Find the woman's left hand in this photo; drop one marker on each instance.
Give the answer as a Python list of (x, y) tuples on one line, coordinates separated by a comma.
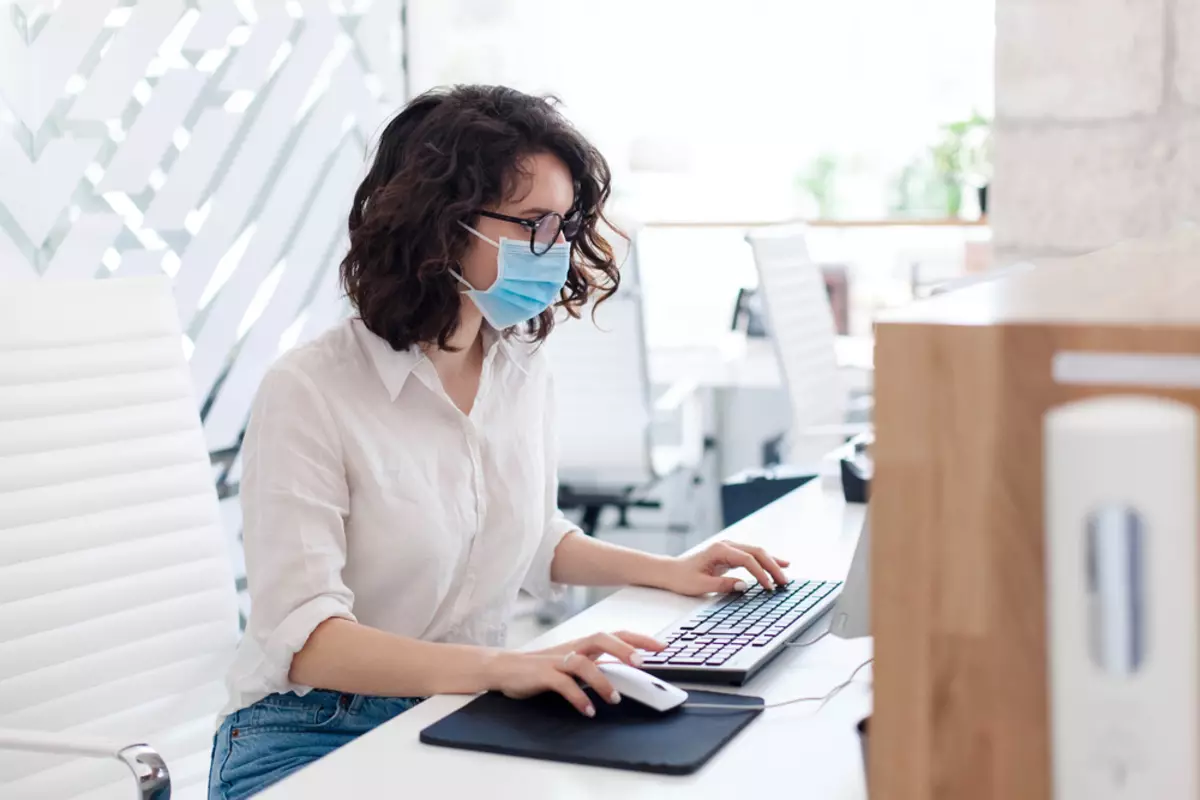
[(704, 572)]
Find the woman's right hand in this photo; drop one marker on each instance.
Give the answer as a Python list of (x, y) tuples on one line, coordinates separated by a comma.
[(521, 675)]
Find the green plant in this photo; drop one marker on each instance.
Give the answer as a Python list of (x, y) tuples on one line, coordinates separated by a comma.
[(917, 191), (818, 181), (962, 154)]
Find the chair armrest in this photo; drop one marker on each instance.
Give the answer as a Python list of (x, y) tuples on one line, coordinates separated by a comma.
[(148, 768), (682, 403), (675, 396)]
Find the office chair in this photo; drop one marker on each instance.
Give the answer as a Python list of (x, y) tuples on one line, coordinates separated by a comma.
[(117, 608), (612, 435), (805, 338)]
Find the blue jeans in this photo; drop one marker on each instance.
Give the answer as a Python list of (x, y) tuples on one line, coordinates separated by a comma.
[(269, 740)]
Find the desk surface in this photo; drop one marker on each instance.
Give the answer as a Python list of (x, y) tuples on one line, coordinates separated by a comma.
[(815, 753)]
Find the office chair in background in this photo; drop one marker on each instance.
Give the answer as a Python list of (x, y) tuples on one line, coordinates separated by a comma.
[(118, 614), (824, 413), (619, 447)]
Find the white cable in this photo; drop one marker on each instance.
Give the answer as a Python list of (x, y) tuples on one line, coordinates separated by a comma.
[(825, 698), (824, 633)]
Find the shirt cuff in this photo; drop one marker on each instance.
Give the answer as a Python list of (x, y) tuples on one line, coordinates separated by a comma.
[(537, 580), (291, 635)]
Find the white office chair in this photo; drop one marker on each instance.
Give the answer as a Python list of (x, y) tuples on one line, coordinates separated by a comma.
[(607, 448), (805, 338), (117, 607)]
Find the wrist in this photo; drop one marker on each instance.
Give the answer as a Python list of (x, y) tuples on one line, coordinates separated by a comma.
[(656, 572), (491, 667)]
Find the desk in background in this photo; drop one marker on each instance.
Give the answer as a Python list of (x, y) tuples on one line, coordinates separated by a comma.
[(790, 749), (737, 361), (747, 402)]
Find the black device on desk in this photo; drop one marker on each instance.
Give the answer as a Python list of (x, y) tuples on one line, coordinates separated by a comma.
[(751, 489), (749, 315)]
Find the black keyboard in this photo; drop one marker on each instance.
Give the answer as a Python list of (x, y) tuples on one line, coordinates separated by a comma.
[(738, 622)]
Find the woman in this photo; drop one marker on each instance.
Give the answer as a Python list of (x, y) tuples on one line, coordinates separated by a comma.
[(399, 485)]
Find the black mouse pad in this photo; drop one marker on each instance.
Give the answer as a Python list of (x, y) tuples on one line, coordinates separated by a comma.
[(625, 736)]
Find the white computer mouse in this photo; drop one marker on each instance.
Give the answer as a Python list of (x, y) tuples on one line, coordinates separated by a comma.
[(642, 687)]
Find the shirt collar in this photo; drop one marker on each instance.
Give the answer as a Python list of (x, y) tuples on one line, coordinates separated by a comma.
[(394, 366), (514, 355)]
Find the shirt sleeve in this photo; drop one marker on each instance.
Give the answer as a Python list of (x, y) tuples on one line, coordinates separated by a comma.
[(556, 526), (295, 500)]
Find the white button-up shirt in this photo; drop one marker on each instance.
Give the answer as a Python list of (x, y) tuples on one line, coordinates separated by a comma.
[(368, 495)]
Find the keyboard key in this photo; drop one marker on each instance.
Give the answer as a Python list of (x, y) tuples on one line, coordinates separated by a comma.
[(754, 618)]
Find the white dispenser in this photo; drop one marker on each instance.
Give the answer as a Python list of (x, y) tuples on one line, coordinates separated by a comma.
[(1121, 563)]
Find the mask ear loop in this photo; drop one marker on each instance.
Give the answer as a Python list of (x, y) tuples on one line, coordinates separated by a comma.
[(457, 273), (469, 229)]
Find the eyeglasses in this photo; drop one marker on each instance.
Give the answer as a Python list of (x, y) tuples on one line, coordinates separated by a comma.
[(543, 231)]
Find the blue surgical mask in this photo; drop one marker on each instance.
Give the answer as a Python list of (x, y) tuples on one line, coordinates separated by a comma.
[(525, 284)]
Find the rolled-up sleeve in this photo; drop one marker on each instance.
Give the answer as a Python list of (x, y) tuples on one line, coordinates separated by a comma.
[(295, 501), (537, 581)]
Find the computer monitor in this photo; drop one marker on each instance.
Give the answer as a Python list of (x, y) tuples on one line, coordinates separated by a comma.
[(852, 612)]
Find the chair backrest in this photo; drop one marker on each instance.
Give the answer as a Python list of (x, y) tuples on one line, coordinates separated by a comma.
[(602, 391), (804, 334), (118, 613)]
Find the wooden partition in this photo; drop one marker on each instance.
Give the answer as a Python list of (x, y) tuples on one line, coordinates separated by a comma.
[(962, 382)]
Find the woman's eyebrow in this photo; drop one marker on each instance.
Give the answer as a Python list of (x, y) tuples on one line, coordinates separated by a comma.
[(536, 210)]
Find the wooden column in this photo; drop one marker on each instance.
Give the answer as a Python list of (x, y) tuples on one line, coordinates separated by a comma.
[(962, 382)]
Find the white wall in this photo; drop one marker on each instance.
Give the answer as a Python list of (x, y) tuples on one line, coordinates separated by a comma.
[(1098, 122), (743, 92)]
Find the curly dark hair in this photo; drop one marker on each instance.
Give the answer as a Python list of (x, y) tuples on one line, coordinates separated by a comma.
[(449, 153)]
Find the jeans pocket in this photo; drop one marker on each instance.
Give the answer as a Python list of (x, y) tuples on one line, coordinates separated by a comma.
[(269, 743), (316, 710)]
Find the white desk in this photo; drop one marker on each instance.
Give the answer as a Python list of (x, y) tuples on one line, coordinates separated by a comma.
[(791, 750)]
